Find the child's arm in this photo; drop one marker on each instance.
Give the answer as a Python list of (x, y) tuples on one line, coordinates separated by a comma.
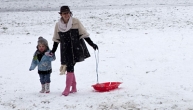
[(53, 57), (34, 62)]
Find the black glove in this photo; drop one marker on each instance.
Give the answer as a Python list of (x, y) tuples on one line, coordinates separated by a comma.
[(51, 53), (55, 46), (95, 46), (89, 41)]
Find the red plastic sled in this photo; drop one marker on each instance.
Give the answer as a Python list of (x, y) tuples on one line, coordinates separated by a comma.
[(107, 86)]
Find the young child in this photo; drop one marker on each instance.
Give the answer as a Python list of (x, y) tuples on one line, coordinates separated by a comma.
[(43, 59)]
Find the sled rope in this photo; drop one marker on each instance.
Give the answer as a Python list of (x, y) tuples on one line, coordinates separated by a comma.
[(97, 63)]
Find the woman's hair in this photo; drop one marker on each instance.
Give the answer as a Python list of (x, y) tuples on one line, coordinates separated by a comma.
[(69, 12)]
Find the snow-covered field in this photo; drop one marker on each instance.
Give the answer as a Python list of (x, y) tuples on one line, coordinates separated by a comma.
[(147, 45)]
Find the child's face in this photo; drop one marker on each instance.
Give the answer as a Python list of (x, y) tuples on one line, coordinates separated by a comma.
[(41, 47)]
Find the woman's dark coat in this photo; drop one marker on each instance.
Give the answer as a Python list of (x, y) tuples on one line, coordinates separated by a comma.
[(72, 46)]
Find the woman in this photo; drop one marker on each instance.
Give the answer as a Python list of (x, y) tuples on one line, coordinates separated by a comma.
[(70, 33)]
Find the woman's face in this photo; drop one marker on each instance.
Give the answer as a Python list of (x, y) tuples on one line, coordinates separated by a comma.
[(65, 16)]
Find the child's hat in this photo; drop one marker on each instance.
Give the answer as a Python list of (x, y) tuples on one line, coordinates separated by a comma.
[(42, 41)]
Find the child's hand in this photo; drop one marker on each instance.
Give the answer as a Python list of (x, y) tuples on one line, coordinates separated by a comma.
[(48, 54)]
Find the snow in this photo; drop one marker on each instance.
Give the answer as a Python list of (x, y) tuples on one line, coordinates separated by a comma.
[(147, 45)]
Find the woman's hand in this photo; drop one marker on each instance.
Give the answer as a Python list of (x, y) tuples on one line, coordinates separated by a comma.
[(95, 46)]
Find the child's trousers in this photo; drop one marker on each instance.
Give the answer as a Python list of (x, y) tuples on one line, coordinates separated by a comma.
[(44, 78)]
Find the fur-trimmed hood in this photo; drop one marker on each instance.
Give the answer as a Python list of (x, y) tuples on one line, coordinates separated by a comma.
[(76, 24)]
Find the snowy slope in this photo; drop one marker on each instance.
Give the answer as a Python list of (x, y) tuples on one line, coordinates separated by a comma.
[(147, 45)]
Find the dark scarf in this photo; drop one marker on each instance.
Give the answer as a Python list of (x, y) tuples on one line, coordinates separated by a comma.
[(40, 55)]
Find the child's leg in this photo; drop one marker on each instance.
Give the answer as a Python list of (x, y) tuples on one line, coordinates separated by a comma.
[(47, 81), (42, 83)]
